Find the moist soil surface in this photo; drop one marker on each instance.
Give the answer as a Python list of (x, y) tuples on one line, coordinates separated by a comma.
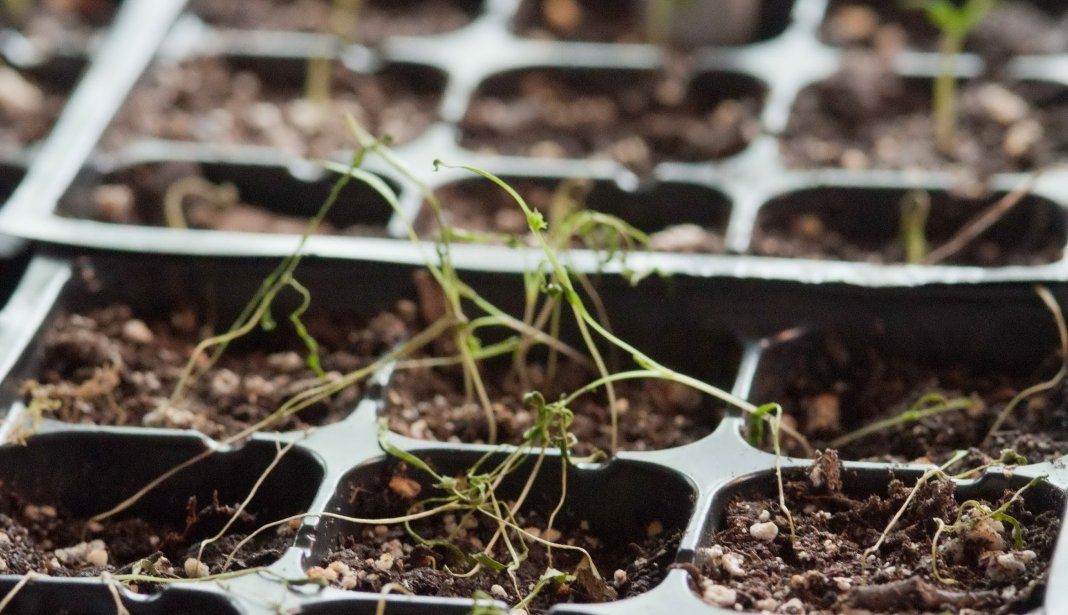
[(46, 540), (636, 119), (107, 367), (377, 555), (822, 572), (1014, 27), (376, 20), (431, 404), (150, 195), (28, 107), (482, 208), (210, 100), (833, 229), (866, 116), (843, 389)]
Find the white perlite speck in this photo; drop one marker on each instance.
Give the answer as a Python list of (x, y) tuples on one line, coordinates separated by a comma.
[(764, 532), (718, 595)]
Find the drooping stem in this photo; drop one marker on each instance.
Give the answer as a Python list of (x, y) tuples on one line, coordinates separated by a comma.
[(1062, 331)]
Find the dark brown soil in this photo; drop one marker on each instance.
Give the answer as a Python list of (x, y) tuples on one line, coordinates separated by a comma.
[(376, 21), (841, 388), (866, 116), (1014, 27), (613, 21), (480, 207), (28, 107), (637, 119), (107, 367), (857, 224), (42, 539), (373, 556), (218, 101), (140, 195), (822, 572), (431, 404)]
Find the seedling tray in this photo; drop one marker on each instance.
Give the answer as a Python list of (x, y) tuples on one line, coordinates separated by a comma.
[(743, 311), (758, 187)]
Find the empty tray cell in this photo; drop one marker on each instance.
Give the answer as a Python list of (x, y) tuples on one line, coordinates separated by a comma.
[(432, 402), (634, 117), (31, 100), (632, 537), (115, 350), (1013, 27), (867, 116), (864, 224), (722, 22), (265, 101), (57, 596), (749, 564), (46, 511), (677, 217), (224, 196), (361, 21), (850, 389)]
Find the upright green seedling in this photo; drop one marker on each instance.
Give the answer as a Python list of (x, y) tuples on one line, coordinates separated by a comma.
[(955, 21), (344, 19)]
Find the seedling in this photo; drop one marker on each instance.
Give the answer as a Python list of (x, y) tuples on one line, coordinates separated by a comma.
[(318, 78), (973, 512), (553, 284), (220, 197), (955, 21), (915, 209)]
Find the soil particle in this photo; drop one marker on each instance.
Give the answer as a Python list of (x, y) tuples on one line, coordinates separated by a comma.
[(635, 119), (431, 404), (867, 116), (584, 20), (376, 555), (376, 20), (97, 372), (870, 385), (47, 540), (821, 573), (207, 99)]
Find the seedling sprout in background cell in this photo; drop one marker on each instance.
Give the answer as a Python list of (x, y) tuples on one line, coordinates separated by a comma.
[(955, 22)]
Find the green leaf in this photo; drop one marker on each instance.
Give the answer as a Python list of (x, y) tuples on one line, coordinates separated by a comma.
[(755, 423), (536, 221), (488, 562)]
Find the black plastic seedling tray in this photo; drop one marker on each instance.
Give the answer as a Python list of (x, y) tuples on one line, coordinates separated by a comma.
[(740, 314)]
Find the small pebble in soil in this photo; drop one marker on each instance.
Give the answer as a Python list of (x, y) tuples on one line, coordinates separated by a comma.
[(764, 532), (195, 569)]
